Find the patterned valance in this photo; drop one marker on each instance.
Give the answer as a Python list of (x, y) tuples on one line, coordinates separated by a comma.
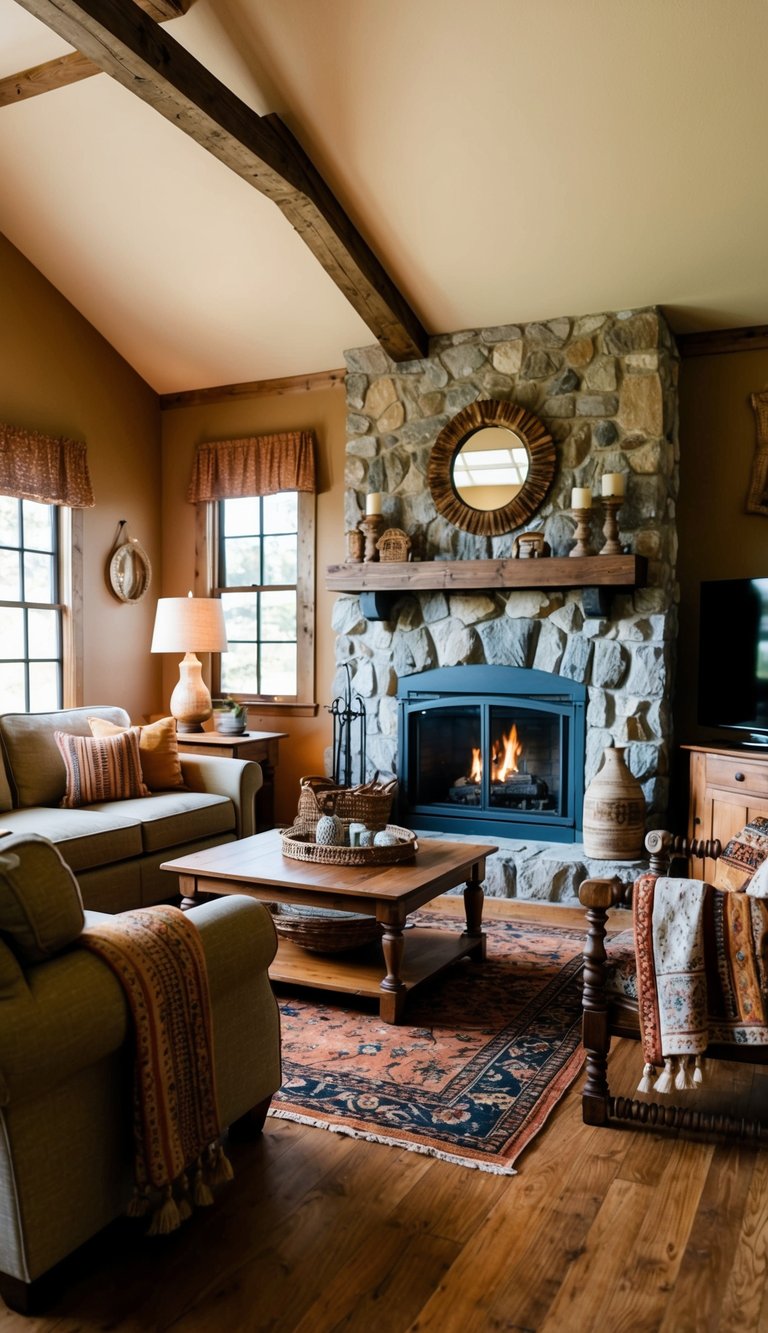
[(39, 467), (260, 465)]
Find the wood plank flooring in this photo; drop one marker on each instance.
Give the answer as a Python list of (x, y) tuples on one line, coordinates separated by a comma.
[(601, 1229)]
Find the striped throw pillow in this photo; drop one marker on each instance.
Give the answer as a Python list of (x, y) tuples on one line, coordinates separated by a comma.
[(107, 769)]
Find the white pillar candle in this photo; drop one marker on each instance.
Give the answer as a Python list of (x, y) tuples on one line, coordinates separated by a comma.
[(373, 503), (581, 497), (613, 483)]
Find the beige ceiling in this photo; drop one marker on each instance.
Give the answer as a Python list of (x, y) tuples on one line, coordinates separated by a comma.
[(508, 160)]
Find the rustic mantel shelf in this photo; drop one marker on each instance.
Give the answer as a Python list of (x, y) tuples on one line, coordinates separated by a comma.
[(600, 574)]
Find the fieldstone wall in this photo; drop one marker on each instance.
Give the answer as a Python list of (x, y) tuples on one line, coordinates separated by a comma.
[(606, 387)]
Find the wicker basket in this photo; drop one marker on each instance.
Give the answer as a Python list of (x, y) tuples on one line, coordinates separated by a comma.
[(321, 930), (299, 844), (369, 804)]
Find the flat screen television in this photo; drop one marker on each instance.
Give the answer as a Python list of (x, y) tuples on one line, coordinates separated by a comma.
[(733, 656)]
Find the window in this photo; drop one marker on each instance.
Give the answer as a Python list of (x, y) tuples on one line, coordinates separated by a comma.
[(264, 576), (32, 633)]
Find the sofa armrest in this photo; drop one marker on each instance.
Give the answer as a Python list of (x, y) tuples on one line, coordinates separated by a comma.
[(240, 941), (239, 779), (71, 1014)]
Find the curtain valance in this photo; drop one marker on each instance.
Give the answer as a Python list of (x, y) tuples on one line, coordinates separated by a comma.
[(259, 465), (43, 468)]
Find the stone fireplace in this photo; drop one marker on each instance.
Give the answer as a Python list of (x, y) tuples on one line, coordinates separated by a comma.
[(493, 750), (605, 386)]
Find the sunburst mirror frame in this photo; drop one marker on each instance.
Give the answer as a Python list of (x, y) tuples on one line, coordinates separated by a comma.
[(541, 470)]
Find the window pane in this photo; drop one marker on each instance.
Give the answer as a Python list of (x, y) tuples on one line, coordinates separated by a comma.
[(278, 616), (278, 668), (43, 686), (280, 563), (240, 615), (241, 517), (39, 523), (43, 629), (238, 669), (281, 512), (242, 556), (11, 632), (12, 687), (10, 584), (38, 577), (9, 521)]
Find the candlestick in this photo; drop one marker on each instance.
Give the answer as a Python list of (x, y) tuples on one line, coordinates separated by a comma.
[(581, 534), (581, 498), (613, 483), (373, 503), (371, 526), (611, 505)]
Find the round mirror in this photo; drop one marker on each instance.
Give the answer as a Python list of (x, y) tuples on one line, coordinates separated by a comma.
[(491, 467)]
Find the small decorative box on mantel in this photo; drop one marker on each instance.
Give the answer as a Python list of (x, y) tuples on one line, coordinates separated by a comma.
[(394, 544)]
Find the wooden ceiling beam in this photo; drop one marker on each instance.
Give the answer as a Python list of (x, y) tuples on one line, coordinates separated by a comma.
[(68, 69), (118, 37)]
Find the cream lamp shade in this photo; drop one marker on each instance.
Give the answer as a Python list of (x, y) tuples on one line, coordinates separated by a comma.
[(190, 625)]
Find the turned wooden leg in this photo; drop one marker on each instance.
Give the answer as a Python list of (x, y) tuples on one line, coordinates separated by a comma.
[(473, 910), (394, 990), (188, 892), (596, 1034), (250, 1125)]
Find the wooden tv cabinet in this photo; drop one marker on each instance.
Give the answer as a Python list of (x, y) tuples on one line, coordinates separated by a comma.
[(728, 787)]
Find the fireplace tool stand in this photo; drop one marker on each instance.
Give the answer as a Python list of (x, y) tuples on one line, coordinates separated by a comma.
[(346, 710)]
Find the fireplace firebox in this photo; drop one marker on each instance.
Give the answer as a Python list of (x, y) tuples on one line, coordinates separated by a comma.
[(494, 750)]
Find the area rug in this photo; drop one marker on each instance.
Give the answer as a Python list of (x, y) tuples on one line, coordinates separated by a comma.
[(485, 1054)]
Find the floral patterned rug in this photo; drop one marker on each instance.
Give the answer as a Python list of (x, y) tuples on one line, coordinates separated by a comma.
[(484, 1055)]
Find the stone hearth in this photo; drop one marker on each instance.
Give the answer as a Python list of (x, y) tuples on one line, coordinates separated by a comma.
[(605, 386)]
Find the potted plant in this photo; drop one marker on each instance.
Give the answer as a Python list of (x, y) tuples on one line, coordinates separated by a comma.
[(229, 716)]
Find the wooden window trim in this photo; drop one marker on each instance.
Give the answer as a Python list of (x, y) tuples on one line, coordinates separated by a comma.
[(206, 547)]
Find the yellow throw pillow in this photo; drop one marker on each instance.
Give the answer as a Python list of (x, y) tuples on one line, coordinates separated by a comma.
[(158, 749), (107, 769)]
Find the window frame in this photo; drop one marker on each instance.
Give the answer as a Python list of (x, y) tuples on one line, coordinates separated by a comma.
[(69, 600), (206, 581)]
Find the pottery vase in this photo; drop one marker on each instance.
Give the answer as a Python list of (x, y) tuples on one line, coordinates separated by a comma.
[(614, 812)]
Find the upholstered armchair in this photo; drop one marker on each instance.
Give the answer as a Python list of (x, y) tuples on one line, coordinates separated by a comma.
[(66, 1057), (722, 982)]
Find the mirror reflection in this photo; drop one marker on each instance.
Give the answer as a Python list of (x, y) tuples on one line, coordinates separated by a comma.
[(491, 467)]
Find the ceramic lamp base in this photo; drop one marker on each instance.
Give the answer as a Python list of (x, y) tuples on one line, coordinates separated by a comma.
[(191, 699)]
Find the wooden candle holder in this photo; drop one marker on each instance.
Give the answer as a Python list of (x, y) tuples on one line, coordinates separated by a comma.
[(582, 546), (611, 504), (371, 527)]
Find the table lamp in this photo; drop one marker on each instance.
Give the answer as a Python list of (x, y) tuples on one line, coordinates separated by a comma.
[(190, 625)]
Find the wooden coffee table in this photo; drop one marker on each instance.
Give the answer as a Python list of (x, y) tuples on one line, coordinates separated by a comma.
[(256, 867)]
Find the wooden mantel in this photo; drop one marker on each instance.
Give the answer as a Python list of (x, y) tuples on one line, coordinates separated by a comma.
[(596, 575)]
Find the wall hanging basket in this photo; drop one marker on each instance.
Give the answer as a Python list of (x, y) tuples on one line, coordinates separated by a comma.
[(299, 843), (370, 803)]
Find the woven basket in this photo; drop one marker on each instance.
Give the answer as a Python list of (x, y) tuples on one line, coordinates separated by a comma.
[(299, 844), (321, 930), (369, 804)]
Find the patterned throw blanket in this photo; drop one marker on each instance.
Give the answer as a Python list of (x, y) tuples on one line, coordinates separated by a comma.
[(702, 974), (157, 956)]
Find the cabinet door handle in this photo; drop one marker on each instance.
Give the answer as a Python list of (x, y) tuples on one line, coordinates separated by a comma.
[(739, 777)]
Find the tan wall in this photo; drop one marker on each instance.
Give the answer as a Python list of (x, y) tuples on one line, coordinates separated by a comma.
[(183, 429), (59, 376), (718, 538)]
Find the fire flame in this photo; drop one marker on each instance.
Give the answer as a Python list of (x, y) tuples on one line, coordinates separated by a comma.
[(504, 756)]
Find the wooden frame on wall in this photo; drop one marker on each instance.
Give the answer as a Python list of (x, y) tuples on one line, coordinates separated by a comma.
[(757, 496)]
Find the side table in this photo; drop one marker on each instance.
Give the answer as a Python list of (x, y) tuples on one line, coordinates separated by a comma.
[(259, 745)]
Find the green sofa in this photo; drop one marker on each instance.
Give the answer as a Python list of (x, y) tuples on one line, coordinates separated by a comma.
[(115, 848), (67, 1054)]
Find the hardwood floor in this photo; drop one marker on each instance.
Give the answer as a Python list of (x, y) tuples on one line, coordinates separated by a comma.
[(601, 1229)]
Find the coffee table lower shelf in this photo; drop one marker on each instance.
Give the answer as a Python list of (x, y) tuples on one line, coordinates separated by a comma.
[(427, 952)]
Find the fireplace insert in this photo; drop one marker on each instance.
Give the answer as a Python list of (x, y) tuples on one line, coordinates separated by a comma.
[(492, 749)]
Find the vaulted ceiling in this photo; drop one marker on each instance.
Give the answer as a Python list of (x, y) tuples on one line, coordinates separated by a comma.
[(505, 160)]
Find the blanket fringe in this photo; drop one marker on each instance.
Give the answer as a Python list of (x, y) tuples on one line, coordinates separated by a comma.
[(166, 1216), (681, 1073)]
